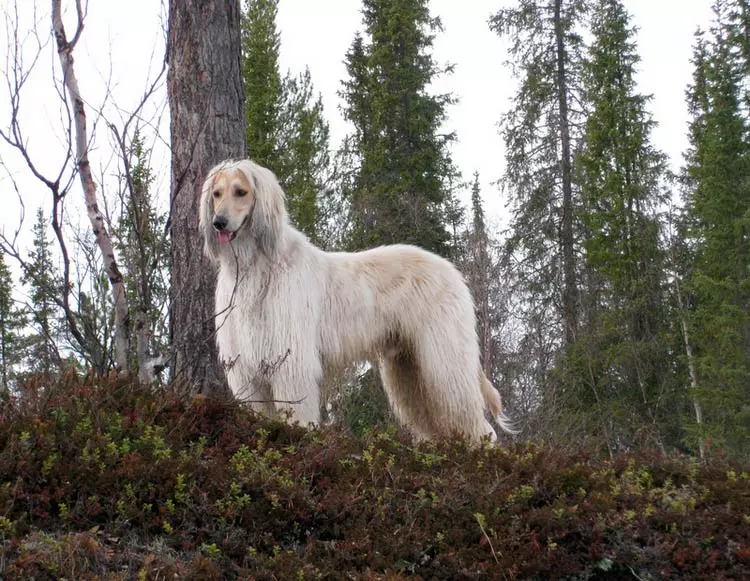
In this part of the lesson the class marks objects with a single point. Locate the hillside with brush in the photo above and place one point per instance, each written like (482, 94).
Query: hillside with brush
(105, 481)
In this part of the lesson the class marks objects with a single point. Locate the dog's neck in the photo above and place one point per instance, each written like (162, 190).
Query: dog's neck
(236, 256)
(243, 254)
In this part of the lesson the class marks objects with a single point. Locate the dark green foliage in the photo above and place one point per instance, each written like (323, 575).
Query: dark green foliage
(303, 158)
(45, 286)
(402, 168)
(620, 364)
(12, 322)
(361, 405)
(262, 80)
(144, 253)
(108, 481)
(286, 129)
(541, 132)
(717, 200)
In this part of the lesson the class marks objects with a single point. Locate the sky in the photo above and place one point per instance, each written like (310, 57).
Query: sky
(318, 34)
(122, 50)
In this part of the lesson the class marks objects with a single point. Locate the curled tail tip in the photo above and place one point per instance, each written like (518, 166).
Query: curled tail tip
(506, 424)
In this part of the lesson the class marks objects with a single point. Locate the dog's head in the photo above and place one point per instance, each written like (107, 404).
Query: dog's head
(242, 203)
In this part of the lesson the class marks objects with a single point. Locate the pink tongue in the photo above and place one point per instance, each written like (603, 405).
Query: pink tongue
(225, 237)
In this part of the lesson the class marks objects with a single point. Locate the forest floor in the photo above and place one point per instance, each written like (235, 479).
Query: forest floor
(111, 481)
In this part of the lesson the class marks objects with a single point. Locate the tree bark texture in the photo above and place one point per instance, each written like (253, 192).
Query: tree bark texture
(207, 117)
(570, 291)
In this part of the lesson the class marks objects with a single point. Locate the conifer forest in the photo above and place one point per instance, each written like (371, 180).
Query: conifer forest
(612, 297)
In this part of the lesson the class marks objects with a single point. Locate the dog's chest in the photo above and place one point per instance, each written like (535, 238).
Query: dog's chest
(242, 312)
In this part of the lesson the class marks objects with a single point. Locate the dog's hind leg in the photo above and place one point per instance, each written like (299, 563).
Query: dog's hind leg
(441, 403)
(454, 402)
(406, 393)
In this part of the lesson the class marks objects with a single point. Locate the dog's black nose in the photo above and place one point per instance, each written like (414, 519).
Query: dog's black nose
(220, 222)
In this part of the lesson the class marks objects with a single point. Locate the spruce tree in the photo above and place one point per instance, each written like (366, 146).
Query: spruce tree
(399, 174)
(491, 279)
(262, 80)
(44, 284)
(403, 171)
(303, 158)
(478, 270)
(12, 323)
(541, 132)
(144, 255)
(717, 200)
(286, 129)
(622, 366)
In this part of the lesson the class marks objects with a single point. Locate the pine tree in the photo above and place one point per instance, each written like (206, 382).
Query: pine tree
(622, 366)
(286, 129)
(262, 80)
(44, 284)
(12, 322)
(403, 171)
(478, 270)
(144, 254)
(304, 157)
(541, 132)
(717, 200)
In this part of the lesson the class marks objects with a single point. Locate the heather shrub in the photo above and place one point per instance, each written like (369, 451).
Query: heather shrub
(107, 480)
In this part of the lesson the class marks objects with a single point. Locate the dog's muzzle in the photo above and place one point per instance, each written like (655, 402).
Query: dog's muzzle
(220, 223)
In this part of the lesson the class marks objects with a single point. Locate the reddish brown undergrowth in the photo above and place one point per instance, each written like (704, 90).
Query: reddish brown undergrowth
(110, 481)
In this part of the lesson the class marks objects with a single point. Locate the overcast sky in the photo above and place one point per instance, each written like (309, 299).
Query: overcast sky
(123, 47)
(318, 34)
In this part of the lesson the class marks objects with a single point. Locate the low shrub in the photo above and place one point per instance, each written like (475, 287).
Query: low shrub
(107, 480)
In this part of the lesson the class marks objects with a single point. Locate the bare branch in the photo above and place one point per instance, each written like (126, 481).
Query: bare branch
(65, 54)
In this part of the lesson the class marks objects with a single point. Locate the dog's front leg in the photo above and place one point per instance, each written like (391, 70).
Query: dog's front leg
(295, 384)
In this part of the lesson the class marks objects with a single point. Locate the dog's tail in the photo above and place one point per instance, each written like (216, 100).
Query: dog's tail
(492, 397)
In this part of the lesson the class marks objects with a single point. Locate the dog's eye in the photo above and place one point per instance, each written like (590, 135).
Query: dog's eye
(217, 193)
(240, 193)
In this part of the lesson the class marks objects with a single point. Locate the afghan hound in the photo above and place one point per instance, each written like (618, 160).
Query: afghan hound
(287, 310)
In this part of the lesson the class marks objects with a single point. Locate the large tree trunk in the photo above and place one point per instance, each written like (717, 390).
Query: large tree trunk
(570, 290)
(207, 113)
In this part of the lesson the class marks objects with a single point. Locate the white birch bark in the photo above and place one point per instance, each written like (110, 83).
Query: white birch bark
(103, 240)
(691, 363)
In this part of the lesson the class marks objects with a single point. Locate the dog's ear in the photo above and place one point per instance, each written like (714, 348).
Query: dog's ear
(206, 215)
(269, 214)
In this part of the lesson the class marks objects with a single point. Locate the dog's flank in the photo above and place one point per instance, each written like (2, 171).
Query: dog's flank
(401, 307)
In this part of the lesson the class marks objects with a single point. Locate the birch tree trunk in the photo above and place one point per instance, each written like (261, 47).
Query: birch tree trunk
(81, 137)
(207, 113)
(691, 365)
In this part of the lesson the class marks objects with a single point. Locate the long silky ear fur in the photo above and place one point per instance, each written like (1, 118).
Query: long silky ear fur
(269, 214)
(206, 213)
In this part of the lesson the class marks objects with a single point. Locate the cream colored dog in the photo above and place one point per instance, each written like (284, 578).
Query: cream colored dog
(286, 310)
